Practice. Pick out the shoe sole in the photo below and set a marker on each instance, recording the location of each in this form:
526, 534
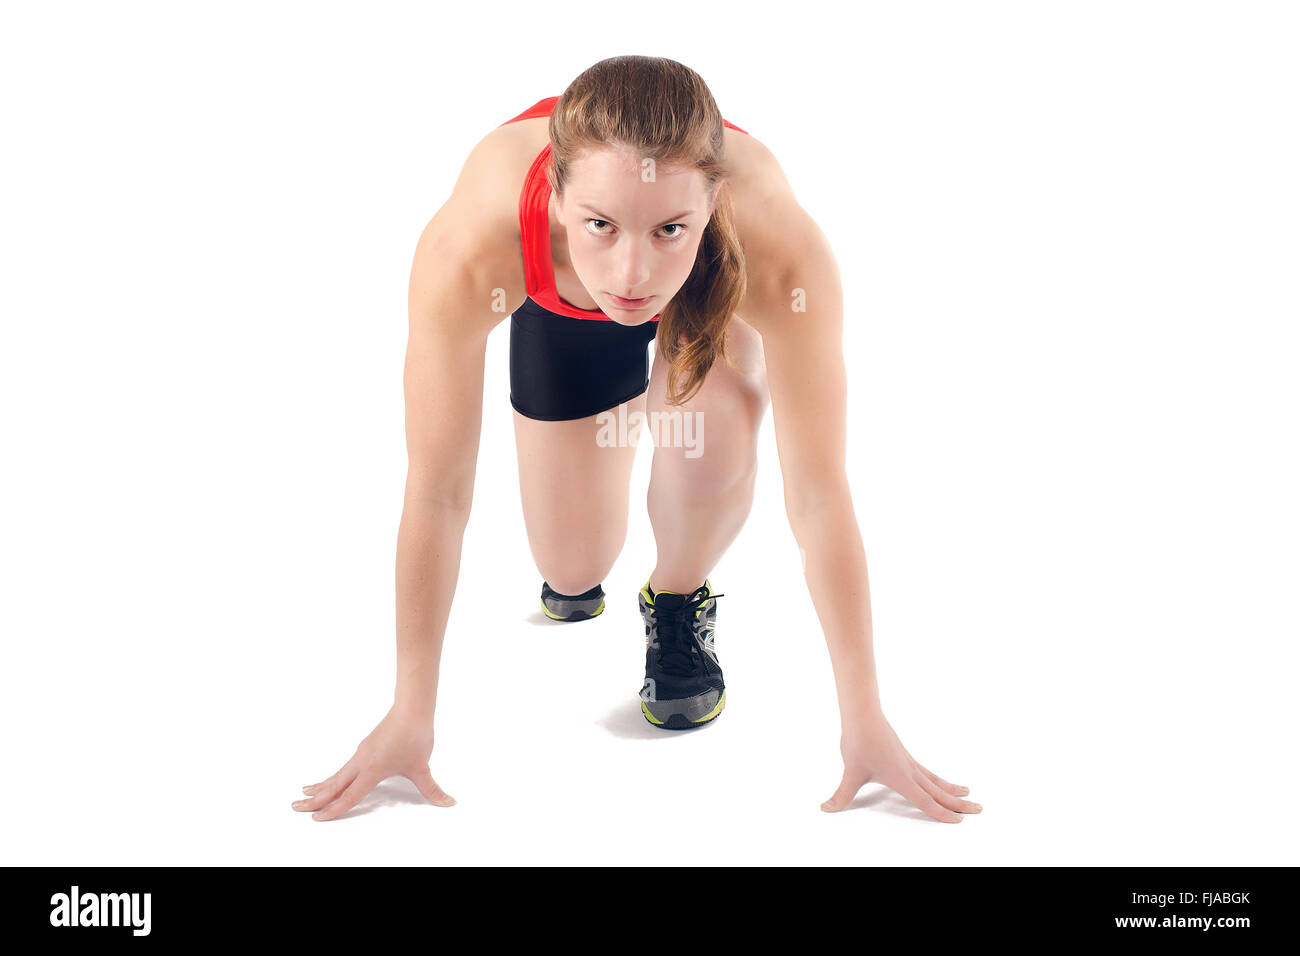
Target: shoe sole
677, 714
577, 615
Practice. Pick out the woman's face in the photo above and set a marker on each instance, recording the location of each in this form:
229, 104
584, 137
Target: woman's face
633, 229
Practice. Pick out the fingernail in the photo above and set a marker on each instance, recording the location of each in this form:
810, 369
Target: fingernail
298, 803
316, 815
977, 806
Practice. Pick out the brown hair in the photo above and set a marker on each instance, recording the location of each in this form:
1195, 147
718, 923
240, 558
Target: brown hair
663, 110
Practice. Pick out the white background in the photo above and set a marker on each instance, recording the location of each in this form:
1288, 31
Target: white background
1068, 237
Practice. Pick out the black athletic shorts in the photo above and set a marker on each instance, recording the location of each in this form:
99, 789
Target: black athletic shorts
563, 368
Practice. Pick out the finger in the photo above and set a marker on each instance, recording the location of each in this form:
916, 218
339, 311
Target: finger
314, 787
913, 791
333, 787
849, 786
944, 798
955, 789
348, 799
423, 781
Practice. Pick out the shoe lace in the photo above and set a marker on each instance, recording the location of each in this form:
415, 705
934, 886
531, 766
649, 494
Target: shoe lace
675, 628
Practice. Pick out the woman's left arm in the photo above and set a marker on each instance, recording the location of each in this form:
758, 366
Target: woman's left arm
795, 301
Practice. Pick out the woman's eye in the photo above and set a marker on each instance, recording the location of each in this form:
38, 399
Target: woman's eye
679, 230
601, 222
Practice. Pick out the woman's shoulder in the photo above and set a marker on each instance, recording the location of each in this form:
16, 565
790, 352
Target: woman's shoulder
762, 203
475, 233
784, 248
494, 171
479, 222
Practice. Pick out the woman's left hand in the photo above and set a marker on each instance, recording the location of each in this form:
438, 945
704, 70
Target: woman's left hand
872, 752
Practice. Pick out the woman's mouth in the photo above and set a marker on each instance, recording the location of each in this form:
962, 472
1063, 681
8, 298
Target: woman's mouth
623, 303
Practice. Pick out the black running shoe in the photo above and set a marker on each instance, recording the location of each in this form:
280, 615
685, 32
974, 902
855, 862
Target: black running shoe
683, 680
572, 607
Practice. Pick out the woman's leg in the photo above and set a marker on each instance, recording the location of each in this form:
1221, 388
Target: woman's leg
575, 496
700, 496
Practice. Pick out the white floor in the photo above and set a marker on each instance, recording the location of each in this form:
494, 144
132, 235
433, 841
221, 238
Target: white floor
1105, 702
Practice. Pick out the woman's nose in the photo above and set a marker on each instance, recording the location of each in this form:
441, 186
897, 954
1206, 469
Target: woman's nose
633, 270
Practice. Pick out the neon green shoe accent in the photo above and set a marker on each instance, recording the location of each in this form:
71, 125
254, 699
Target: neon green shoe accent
717, 708
645, 590
649, 716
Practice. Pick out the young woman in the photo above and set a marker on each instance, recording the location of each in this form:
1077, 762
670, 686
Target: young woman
643, 216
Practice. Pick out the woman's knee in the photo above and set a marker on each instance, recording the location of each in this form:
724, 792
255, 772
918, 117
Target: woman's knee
710, 479
570, 577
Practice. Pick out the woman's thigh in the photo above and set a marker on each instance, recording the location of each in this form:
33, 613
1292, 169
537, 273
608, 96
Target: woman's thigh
573, 481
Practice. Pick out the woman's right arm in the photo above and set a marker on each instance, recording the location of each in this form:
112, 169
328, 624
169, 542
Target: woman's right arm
464, 255
450, 318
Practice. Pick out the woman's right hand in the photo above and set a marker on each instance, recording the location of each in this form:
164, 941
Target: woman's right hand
399, 746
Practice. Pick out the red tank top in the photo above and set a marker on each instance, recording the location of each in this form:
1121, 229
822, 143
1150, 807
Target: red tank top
535, 227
